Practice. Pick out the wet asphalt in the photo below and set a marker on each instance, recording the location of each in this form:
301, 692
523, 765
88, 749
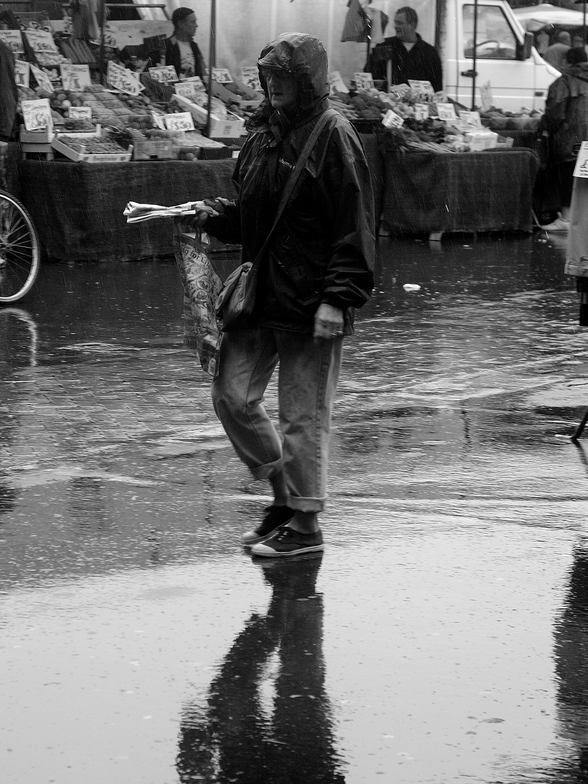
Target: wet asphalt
443, 636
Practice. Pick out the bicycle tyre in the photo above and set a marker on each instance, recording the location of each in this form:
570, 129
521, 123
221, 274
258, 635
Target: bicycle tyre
19, 250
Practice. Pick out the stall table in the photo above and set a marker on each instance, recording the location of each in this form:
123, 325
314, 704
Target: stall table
78, 207
434, 193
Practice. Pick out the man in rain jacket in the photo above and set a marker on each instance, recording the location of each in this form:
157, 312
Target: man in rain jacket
317, 270
566, 122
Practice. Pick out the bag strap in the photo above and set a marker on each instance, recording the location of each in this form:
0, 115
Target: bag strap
294, 175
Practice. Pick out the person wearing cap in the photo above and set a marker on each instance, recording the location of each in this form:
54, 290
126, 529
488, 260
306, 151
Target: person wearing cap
181, 50
317, 269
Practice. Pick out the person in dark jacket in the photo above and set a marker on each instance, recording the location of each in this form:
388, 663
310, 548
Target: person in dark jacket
8, 94
566, 122
319, 267
181, 50
406, 56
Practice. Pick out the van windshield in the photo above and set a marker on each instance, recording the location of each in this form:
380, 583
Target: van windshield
495, 38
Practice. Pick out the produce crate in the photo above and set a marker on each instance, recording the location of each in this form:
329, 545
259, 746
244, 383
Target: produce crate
154, 150
220, 128
74, 155
36, 137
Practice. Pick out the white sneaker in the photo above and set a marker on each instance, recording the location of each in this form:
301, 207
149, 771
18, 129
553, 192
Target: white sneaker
558, 225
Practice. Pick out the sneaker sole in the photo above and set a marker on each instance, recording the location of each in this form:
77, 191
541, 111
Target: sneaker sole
269, 552
248, 545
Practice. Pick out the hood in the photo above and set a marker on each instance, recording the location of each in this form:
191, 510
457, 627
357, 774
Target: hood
304, 56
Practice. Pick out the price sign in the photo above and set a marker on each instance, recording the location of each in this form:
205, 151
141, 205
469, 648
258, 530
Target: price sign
37, 115
486, 96
471, 119
336, 83
421, 87
21, 73
122, 79
158, 121
182, 121
41, 41
399, 89
163, 74
75, 77
421, 111
186, 90
80, 112
196, 81
363, 81
392, 120
581, 169
446, 112
222, 75
43, 81
13, 40
250, 77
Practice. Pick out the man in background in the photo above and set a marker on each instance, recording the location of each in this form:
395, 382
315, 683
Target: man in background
406, 56
556, 53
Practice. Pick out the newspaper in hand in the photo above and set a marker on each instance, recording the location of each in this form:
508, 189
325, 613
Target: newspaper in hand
135, 212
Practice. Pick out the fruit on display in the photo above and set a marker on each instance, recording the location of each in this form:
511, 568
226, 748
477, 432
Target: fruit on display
91, 145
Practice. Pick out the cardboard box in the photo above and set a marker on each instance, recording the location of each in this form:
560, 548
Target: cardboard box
36, 137
481, 140
153, 150
220, 128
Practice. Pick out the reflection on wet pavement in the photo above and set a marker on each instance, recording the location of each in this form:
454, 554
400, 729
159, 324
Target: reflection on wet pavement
441, 637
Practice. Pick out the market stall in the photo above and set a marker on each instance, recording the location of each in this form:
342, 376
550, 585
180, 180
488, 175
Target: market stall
429, 193
89, 148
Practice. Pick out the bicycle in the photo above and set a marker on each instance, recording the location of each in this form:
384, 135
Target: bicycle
19, 249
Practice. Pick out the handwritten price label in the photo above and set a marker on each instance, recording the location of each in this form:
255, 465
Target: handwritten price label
75, 77
392, 120
222, 75
43, 81
80, 112
182, 121
421, 111
41, 41
21, 73
363, 81
446, 112
250, 76
421, 87
13, 40
122, 79
37, 115
186, 90
164, 74
471, 119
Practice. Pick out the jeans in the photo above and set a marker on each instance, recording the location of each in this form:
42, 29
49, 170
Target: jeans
307, 381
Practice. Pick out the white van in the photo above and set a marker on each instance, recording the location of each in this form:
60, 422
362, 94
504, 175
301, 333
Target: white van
505, 56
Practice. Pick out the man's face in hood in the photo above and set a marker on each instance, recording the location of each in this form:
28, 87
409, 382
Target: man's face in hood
282, 89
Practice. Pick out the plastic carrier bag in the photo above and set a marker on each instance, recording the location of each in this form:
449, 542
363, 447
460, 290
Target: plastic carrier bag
201, 285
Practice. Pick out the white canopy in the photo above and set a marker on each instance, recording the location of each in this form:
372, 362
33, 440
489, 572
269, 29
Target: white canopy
537, 16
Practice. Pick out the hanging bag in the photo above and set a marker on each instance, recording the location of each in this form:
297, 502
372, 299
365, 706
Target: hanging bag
237, 297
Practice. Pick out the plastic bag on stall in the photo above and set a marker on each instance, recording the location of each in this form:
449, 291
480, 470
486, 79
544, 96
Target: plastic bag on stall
201, 285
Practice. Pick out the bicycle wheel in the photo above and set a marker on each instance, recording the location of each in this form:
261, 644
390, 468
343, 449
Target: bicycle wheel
19, 249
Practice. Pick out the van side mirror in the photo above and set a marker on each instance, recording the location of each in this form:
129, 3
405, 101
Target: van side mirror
524, 49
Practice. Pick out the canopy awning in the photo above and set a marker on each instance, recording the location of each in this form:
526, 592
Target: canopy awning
537, 16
